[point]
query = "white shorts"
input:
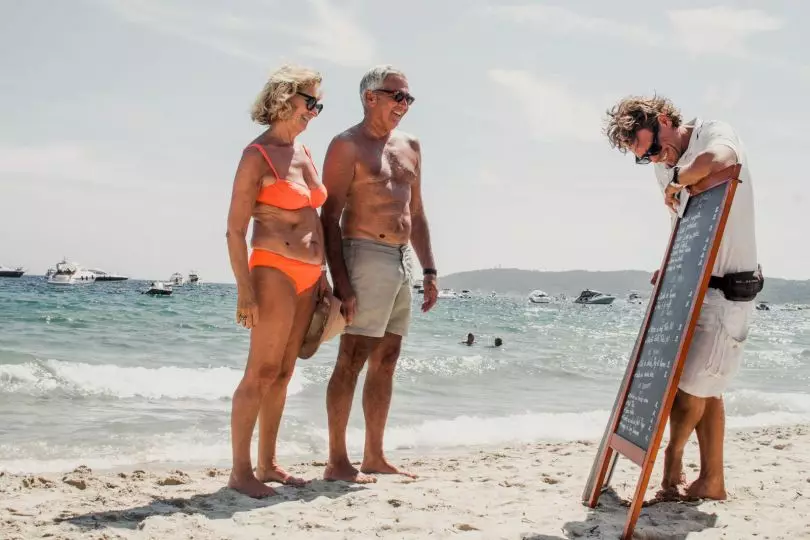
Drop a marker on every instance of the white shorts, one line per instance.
(717, 345)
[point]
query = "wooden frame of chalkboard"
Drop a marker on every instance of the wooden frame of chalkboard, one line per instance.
(722, 185)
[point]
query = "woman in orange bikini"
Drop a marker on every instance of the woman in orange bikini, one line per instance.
(277, 185)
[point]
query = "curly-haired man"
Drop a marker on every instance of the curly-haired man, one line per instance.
(683, 154)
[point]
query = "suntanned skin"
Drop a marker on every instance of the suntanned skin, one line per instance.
(277, 317)
(689, 413)
(373, 175)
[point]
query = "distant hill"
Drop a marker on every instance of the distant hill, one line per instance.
(619, 282)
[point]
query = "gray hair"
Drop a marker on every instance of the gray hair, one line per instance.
(375, 78)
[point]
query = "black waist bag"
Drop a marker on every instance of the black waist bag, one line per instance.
(740, 286)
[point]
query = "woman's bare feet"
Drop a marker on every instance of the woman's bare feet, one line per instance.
(382, 466)
(250, 486)
(277, 474)
(706, 489)
(347, 473)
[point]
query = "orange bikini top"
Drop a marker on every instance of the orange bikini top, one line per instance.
(289, 195)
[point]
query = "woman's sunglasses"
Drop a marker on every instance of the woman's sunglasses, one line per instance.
(653, 150)
(398, 95)
(312, 102)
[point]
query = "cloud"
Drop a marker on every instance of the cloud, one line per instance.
(217, 31)
(57, 161)
(719, 30)
(566, 21)
(553, 110)
(73, 164)
(330, 33)
(336, 37)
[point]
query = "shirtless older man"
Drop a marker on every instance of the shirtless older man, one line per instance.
(373, 175)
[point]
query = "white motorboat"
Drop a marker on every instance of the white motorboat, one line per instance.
(590, 297)
(158, 288)
(193, 277)
(539, 297)
(177, 280)
(447, 293)
(6, 271)
(635, 298)
(70, 273)
(465, 293)
(102, 275)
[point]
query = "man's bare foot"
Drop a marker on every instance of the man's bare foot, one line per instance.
(346, 473)
(674, 483)
(672, 489)
(706, 489)
(667, 494)
(277, 474)
(673, 469)
(250, 486)
(382, 466)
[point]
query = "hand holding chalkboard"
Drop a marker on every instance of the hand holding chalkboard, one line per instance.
(672, 196)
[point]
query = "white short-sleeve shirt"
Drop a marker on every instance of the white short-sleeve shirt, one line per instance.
(738, 248)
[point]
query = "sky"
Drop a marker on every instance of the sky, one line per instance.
(122, 122)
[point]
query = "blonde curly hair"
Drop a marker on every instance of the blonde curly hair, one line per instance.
(633, 113)
(273, 102)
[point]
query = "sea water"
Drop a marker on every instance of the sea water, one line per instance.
(106, 376)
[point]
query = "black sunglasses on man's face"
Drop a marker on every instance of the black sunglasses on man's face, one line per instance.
(398, 95)
(312, 102)
(653, 150)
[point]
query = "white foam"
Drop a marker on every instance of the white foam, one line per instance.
(531, 427)
(197, 448)
(447, 366)
(168, 382)
(754, 403)
(189, 447)
(471, 430)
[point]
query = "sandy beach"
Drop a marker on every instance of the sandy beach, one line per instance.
(516, 492)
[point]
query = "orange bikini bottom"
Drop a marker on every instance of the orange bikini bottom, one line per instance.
(303, 275)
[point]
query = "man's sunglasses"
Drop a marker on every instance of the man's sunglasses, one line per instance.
(398, 95)
(312, 102)
(653, 150)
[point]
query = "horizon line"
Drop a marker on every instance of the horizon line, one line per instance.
(132, 278)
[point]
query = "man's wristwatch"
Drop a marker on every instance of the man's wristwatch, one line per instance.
(429, 272)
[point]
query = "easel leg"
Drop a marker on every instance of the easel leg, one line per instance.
(614, 459)
(638, 498)
(605, 464)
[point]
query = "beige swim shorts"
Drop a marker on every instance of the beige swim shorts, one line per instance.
(380, 275)
(717, 346)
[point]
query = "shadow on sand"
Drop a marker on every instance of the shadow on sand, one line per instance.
(221, 504)
(661, 521)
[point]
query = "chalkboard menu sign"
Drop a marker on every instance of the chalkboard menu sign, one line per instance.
(676, 297)
(650, 383)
